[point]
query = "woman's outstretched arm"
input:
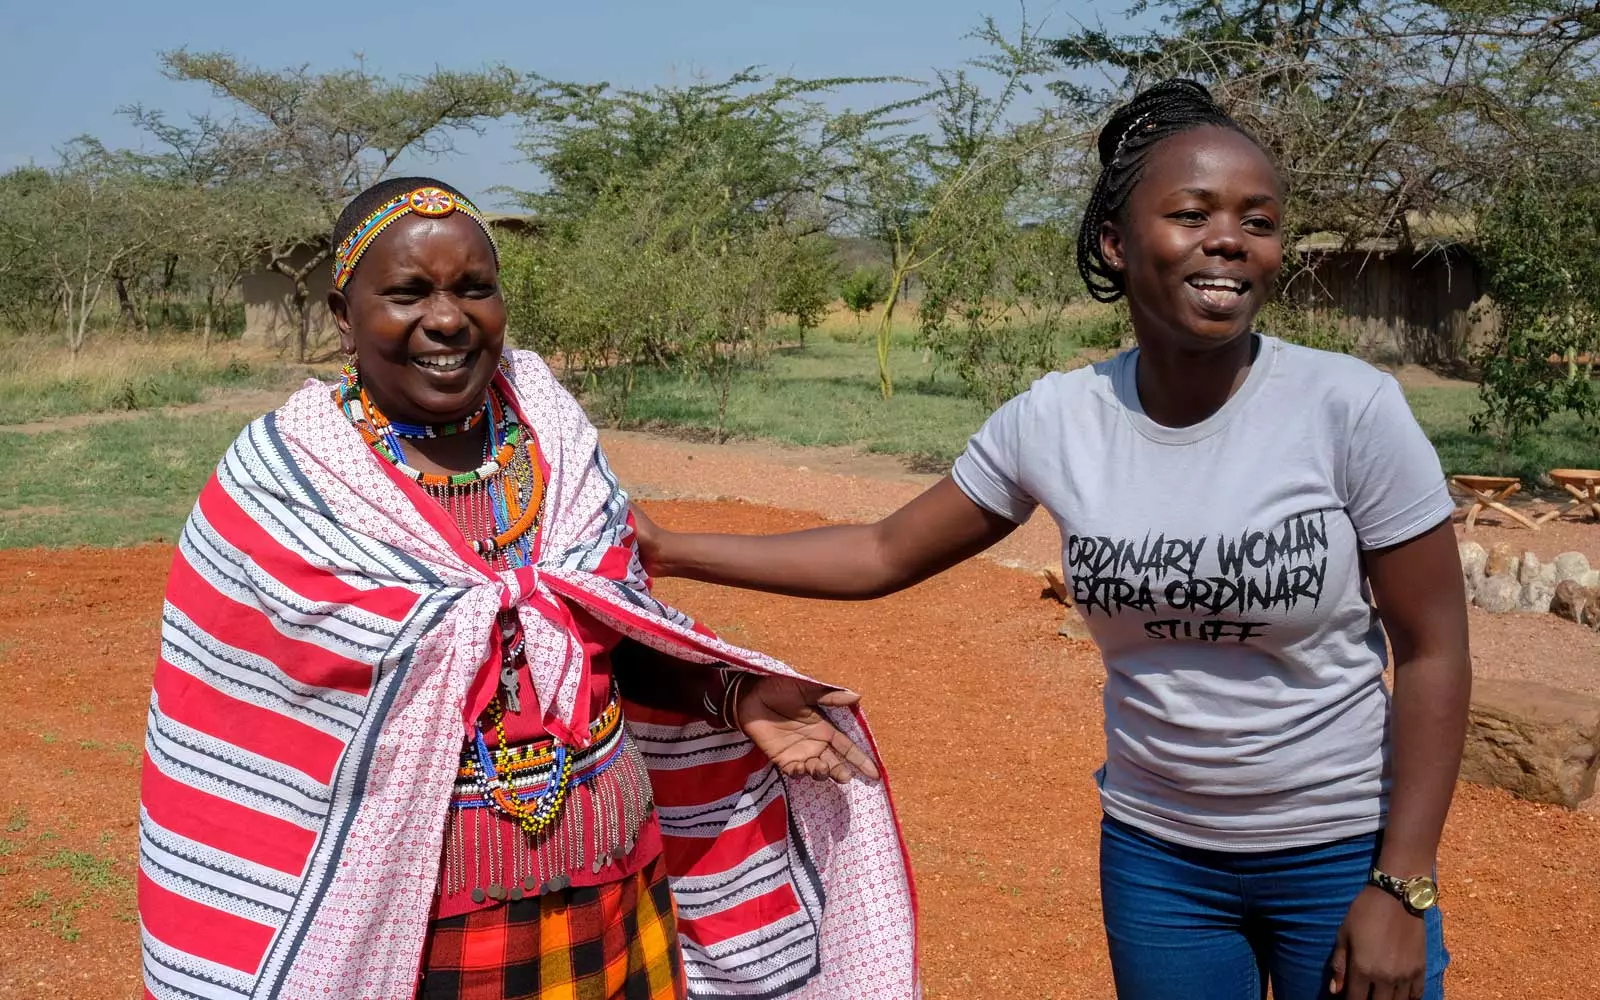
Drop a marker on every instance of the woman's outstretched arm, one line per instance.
(853, 562)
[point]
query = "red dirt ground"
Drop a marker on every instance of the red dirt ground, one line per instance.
(1009, 909)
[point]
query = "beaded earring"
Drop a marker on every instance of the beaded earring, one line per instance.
(349, 378)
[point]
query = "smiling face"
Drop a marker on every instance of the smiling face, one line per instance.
(1199, 241)
(423, 314)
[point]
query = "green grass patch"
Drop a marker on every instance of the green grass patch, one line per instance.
(826, 394)
(135, 480)
(116, 483)
(1445, 413)
(90, 875)
(88, 870)
(64, 920)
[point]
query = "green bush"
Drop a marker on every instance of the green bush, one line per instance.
(1322, 331)
(863, 288)
(1104, 332)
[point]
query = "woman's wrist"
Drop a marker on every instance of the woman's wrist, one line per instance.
(1401, 862)
(721, 700)
(666, 554)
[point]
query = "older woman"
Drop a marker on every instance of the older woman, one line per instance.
(418, 725)
(1228, 504)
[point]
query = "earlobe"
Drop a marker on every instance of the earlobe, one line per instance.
(1111, 246)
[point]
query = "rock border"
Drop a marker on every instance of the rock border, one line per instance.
(1500, 581)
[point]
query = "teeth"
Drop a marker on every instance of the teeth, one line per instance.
(1219, 284)
(442, 362)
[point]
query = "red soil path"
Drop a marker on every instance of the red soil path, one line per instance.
(1003, 838)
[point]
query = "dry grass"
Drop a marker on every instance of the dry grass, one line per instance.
(126, 374)
(842, 325)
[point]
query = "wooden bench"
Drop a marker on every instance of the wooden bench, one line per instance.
(1584, 485)
(1490, 493)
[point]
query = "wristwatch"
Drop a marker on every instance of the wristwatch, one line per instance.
(1419, 894)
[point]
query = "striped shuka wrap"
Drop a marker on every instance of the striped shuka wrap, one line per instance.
(327, 640)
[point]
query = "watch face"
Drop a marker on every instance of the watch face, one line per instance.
(1421, 893)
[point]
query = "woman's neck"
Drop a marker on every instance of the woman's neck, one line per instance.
(1179, 389)
(448, 456)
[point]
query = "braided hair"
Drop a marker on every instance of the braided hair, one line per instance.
(1136, 128)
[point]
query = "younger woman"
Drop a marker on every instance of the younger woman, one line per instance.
(1229, 505)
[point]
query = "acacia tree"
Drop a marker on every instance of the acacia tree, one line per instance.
(1377, 112)
(912, 190)
(674, 223)
(993, 307)
(1540, 246)
(598, 292)
(29, 296)
(770, 142)
(314, 140)
(84, 219)
(1383, 114)
(648, 275)
(807, 276)
(233, 212)
(235, 227)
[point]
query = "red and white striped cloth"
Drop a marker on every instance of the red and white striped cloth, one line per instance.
(328, 637)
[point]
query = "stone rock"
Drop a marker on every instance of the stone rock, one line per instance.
(1502, 561)
(1499, 594)
(1537, 595)
(1572, 566)
(1591, 610)
(1528, 568)
(1473, 558)
(1569, 600)
(1591, 579)
(1538, 742)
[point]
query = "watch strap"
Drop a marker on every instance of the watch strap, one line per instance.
(1396, 887)
(1388, 883)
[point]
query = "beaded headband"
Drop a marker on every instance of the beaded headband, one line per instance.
(429, 202)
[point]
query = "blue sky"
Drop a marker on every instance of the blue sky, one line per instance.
(67, 65)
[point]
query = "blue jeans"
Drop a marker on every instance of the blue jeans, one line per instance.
(1191, 924)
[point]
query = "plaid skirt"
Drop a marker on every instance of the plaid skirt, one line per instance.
(617, 941)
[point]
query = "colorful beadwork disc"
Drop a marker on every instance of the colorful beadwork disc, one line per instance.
(432, 202)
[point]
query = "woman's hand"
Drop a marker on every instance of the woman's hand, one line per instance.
(781, 716)
(1382, 952)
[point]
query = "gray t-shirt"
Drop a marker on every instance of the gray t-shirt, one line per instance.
(1218, 568)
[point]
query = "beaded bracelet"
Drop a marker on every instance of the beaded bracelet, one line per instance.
(730, 700)
(725, 709)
